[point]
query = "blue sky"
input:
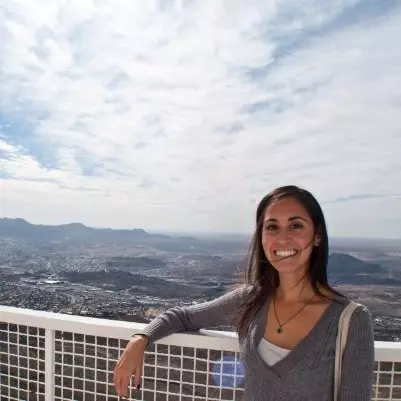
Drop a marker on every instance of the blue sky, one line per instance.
(181, 115)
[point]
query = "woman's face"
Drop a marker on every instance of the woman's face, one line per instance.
(288, 236)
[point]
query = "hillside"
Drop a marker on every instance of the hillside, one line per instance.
(346, 269)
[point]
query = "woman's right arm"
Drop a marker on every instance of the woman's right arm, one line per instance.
(214, 313)
(217, 312)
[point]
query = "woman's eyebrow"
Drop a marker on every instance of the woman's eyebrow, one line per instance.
(289, 219)
(296, 218)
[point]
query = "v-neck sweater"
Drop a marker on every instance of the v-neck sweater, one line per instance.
(307, 372)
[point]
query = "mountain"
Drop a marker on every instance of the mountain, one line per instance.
(345, 269)
(342, 263)
(20, 229)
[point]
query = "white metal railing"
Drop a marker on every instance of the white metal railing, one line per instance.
(47, 356)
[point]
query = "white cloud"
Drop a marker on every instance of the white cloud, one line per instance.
(182, 116)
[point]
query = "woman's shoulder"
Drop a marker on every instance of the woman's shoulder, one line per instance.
(360, 332)
(346, 301)
(360, 318)
(360, 314)
(244, 291)
(240, 294)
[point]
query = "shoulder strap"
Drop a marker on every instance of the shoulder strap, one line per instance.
(343, 325)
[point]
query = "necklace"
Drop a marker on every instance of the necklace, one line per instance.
(279, 329)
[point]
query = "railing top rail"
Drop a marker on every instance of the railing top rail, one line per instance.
(209, 339)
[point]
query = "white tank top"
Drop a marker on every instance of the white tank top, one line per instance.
(271, 353)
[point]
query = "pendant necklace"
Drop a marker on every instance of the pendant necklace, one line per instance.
(279, 329)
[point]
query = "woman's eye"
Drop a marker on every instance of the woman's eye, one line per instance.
(297, 226)
(271, 227)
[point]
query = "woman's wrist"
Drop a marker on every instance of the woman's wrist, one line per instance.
(143, 336)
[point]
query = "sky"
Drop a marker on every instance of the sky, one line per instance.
(182, 115)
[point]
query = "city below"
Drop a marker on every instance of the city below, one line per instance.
(133, 275)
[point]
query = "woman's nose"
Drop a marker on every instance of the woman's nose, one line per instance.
(283, 238)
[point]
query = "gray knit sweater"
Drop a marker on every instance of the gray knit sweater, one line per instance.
(306, 373)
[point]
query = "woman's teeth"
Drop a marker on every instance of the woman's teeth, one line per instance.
(285, 252)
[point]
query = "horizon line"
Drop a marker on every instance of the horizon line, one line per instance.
(185, 232)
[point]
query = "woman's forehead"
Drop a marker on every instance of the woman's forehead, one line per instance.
(285, 208)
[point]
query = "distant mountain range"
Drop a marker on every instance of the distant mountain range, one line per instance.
(75, 232)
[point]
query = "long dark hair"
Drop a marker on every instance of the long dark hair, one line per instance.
(259, 272)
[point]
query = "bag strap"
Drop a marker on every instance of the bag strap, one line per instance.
(341, 342)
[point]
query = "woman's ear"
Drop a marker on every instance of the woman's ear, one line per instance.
(318, 239)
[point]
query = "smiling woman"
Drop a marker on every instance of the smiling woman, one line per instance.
(286, 313)
(289, 252)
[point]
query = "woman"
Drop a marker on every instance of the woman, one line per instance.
(285, 313)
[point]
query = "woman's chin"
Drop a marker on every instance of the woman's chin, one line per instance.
(289, 265)
(287, 269)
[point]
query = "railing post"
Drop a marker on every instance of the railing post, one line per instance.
(49, 365)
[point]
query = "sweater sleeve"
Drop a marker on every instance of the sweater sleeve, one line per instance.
(214, 313)
(358, 362)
